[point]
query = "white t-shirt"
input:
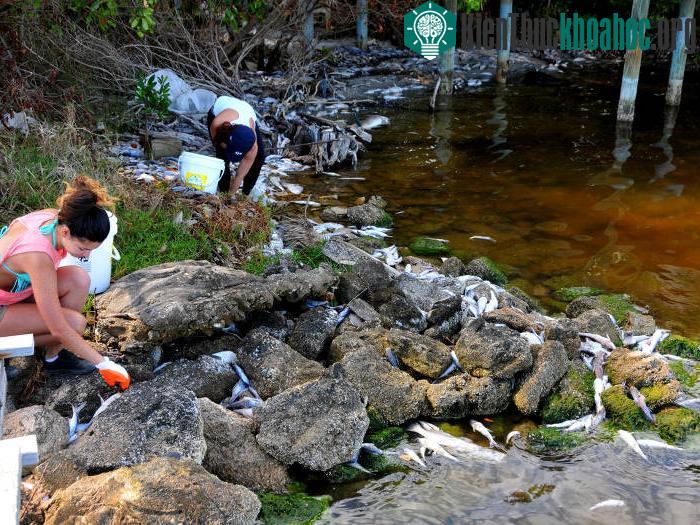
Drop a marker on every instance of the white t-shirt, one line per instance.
(245, 111)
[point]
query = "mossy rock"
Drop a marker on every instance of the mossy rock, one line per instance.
(487, 269)
(368, 244)
(680, 346)
(376, 421)
(343, 474)
(291, 509)
(622, 410)
(427, 246)
(545, 439)
(616, 305)
(533, 303)
(574, 398)
(687, 375)
(568, 294)
(661, 394)
(389, 437)
(676, 424)
(385, 221)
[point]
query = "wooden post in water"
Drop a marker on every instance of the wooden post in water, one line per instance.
(504, 50)
(680, 55)
(447, 60)
(633, 63)
(362, 23)
(308, 28)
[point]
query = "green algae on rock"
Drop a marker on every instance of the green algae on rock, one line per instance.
(660, 394)
(387, 438)
(570, 293)
(532, 303)
(543, 439)
(291, 509)
(680, 346)
(574, 397)
(487, 269)
(677, 423)
(687, 375)
(428, 246)
(616, 305)
(622, 410)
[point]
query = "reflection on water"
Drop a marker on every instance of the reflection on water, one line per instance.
(571, 198)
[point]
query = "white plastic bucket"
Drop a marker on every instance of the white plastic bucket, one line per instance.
(99, 264)
(201, 172)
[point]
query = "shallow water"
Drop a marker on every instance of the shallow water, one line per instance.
(570, 199)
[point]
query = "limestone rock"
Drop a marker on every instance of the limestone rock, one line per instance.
(399, 312)
(492, 351)
(58, 471)
(515, 319)
(206, 377)
(349, 342)
(637, 368)
(453, 267)
(273, 366)
(462, 395)
(50, 428)
(162, 491)
(313, 332)
(597, 322)
(639, 324)
(566, 332)
(365, 215)
(234, 455)
(551, 363)
(420, 354)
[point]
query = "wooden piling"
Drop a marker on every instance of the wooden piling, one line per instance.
(447, 59)
(504, 50)
(680, 55)
(362, 23)
(633, 63)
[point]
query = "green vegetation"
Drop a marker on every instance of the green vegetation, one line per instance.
(616, 305)
(387, 438)
(680, 346)
(622, 410)
(660, 394)
(676, 424)
(385, 221)
(574, 292)
(533, 303)
(545, 439)
(154, 94)
(310, 257)
(493, 271)
(574, 399)
(688, 378)
(430, 247)
(291, 509)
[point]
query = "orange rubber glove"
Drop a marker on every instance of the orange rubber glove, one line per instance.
(114, 374)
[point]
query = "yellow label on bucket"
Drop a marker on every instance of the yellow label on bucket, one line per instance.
(197, 180)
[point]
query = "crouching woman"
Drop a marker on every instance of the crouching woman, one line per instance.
(38, 297)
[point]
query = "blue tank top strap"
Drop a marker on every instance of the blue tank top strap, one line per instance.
(50, 228)
(3, 230)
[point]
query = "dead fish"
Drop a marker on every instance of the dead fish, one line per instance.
(246, 402)
(631, 442)
(342, 315)
(410, 455)
(241, 375)
(592, 348)
(453, 366)
(73, 422)
(492, 304)
(599, 417)
(531, 337)
(652, 443)
(312, 303)
(104, 403)
(307, 203)
(245, 412)
(374, 121)
(481, 305)
(692, 404)
(606, 342)
(650, 344)
(391, 357)
(512, 435)
(583, 423)
(328, 227)
(640, 401)
(161, 366)
(619, 331)
(372, 449)
(608, 503)
(295, 189)
(481, 429)
(562, 424)
(238, 389)
(598, 365)
(376, 232)
(226, 356)
(482, 238)
(433, 445)
(633, 340)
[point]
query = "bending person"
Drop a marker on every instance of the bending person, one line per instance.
(236, 137)
(38, 297)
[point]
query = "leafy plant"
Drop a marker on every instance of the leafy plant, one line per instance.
(470, 6)
(154, 94)
(99, 12)
(142, 20)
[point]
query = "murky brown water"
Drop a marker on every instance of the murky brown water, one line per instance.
(570, 199)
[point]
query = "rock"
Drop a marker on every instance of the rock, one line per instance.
(661, 394)
(573, 397)
(58, 471)
(164, 490)
(344, 253)
(334, 214)
(50, 428)
(566, 332)
(488, 270)
(274, 366)
(580, 305)
(550, 365)
(292, 508)
(445, 330)
(616, 305)
(313, 332)
(206, 377)
(367, 215)
(515, 319)
(192, 348)
(274, 323)
(517, 298)
(493, 351)
(453, 267)
(637, 368)
(368, 244)
(639, 324)
(399, 312)
(597, 322)
(570, 293)
(393, 394)
(463, 395)
(350, 342)
(147, 421)
(429, 247)
(377, 201)
(174, 300)
(362, 317)
(234, 455)
(316, 425)
(437, 303)
(420, 354)
(61, 393)
(622, 411)
(680, 346)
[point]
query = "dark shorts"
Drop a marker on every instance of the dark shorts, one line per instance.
(252, 176)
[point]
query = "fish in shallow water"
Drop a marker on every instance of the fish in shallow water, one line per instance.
(640, 401)
(410, 455)
(481, 429)
(631, 442)
(433, 445)
(374, 121)
(73, 423)
(459, 445)
(583, 423)
(608, 503)
(482, 238)
(512, 435)
(692, 404)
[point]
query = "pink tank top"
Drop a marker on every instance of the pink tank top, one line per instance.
(30, 241)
